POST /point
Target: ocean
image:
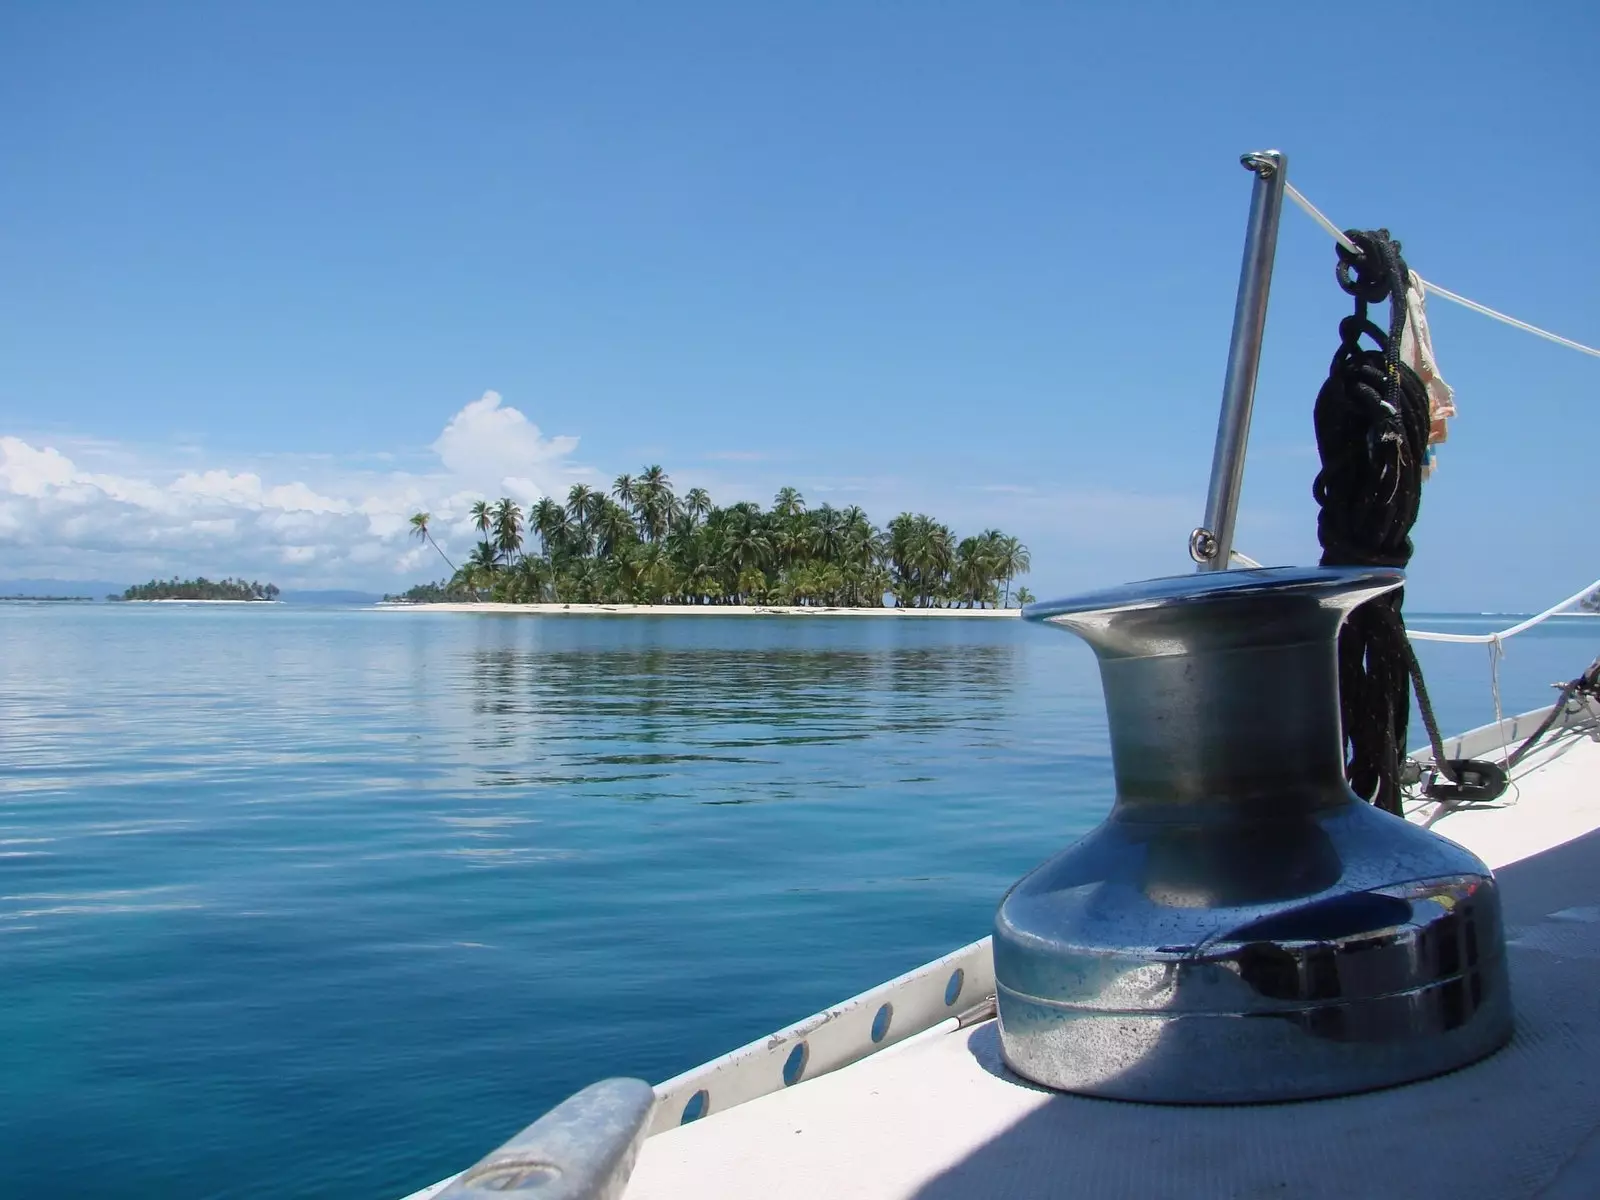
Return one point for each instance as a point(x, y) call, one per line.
point(330, 901)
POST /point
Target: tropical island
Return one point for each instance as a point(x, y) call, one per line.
point(643, 544)
point(200, 589)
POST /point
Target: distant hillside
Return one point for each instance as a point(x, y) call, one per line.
point(94, 589)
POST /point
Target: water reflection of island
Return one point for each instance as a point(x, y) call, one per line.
point(614, 715)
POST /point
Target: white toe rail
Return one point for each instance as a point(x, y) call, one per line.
point(938, 995)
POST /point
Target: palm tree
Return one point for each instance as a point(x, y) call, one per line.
point(478, 572)
point(697, 503)
point(614, 529)
point(1024, 596)
point(973, 570)
point(530, 582)
point(482, 517)
point(788, 503)
point(506, 520)
point(652, 495)
point(1013, 559)
point(420, 531)
point(549, 520)
point(746, 545)
point(584, 505)
point(622, 489)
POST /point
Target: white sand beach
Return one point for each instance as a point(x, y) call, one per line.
point(696, 610)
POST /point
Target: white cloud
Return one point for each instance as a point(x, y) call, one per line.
point(139, 516)
point(30, 472)
point(487, 440)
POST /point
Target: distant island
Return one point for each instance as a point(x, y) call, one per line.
point(643, 544)
point(199, 589)
point(51, 599)
point(432, 593)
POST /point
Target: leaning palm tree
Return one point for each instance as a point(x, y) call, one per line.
point(420, 531)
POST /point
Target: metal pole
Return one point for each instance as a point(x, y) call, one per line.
point(1212, 544)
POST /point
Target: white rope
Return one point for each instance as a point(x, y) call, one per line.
point(1512, 321)
point(1312, 211)
point(1315, 213)
point(1489, 639)
point(1497, 651)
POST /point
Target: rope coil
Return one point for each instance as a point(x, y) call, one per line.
point(1371, 423)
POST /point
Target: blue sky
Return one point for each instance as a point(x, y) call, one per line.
point(262, 263)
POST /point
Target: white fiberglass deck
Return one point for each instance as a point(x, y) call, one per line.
point(940, 1117)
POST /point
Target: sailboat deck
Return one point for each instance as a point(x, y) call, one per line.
point(940, 1116)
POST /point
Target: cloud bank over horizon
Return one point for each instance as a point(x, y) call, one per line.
point(76, 510)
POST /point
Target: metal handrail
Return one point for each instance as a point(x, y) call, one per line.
point(582, 1149)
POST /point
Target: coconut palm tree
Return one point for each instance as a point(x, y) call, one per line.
point(482, 517)
point(614, 530)
point(506, 522)
point(746, 545)
point(788, 503)
point(971, 574)
point(696, 503)
point(530, 581)
point(584, 505)
point(1012, 557)
point(477, 574)
point(549, 520)
point(1024, 596)
point(420, 531)
point(622, 490)
point(656, 505)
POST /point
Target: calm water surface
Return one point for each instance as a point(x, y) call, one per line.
point(329, 902)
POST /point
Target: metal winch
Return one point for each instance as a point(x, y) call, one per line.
point(1242, 927)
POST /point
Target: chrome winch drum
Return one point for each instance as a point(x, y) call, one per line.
point(1242, 927)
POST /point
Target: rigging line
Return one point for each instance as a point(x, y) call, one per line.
point(1480, 639)
point(1316, 214)
point(1430, 286)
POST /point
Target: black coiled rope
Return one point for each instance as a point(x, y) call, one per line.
point(1372, 424)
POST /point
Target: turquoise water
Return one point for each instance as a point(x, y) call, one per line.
point(329, 902)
